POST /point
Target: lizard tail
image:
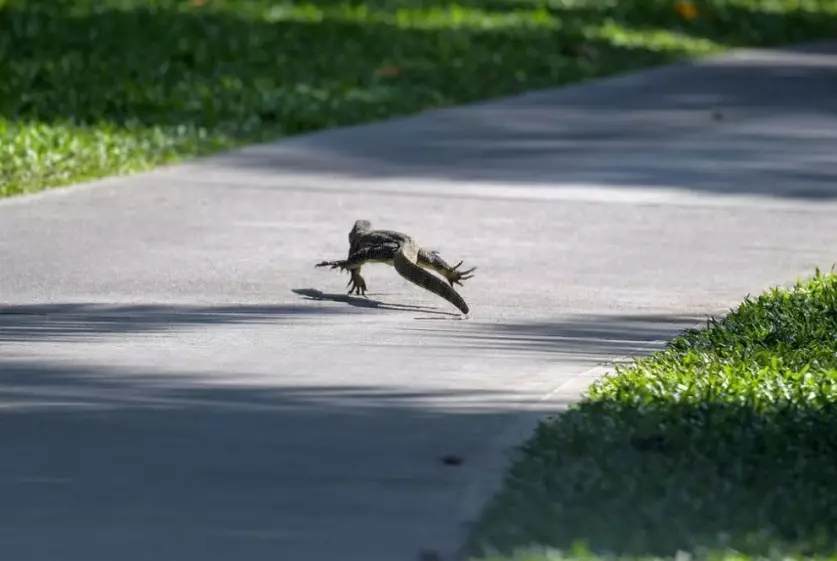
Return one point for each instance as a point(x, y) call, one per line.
point(405, 263)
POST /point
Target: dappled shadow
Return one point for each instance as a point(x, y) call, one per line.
point(104, 462)
point(27, 384)
point(728, 23)
point(651, 479)
point(235, 71)
point(743, 127)
point(68, 321)
point(588, 338)
point(735, 24)
point(582, 338)
point(243, 77)
point(585, 338)
point(207, 460)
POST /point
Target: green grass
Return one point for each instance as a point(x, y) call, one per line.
point(723, 445)
point(90, 88)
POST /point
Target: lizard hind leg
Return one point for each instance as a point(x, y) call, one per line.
point(406, 264)
point(455, 276)
point(432, 259)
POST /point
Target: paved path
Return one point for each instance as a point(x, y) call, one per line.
point(178, 382)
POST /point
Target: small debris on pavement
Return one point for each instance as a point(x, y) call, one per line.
point(429, 555)
point(452, 460)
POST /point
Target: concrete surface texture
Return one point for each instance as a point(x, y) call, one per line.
point(179, 382)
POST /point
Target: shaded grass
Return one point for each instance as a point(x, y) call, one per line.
point(723, 445)
point(95, 88)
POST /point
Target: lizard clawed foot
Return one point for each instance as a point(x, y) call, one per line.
point(456, 277)
point(333, 264)
point(357, 284)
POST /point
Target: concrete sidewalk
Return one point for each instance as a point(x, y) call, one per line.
point(179, 382)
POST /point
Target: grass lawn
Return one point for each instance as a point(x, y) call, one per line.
point(90, 88)
point(722, 446)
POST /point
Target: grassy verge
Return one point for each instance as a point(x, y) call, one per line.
point(723, 445)
point(90, 88)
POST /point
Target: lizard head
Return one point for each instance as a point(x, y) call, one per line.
point(360, 227)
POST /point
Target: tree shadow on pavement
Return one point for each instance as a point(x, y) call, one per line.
point(105, 462)
point(98, 456)
point(586, 337)
point(710, 129)
point(71, 321)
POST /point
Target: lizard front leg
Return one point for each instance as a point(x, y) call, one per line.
point(357, 284)
point(354, 262)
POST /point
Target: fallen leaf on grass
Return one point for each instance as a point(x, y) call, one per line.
point(388, 71)
point(686, 10)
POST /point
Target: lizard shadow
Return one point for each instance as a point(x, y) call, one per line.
point(365, 302)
